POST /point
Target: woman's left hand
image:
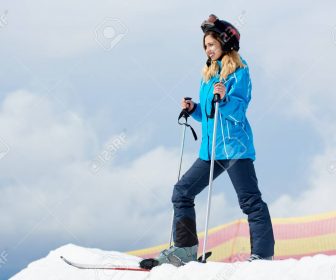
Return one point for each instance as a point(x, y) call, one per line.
point(220, 89)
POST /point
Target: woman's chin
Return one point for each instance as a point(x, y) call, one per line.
point(214, 58)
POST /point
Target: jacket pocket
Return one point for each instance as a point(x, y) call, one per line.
point(236, 127)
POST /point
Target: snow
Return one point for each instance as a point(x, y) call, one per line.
point(53, 268)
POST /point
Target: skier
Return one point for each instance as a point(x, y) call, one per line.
point(226, 74)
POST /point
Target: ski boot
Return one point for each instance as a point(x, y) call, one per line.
point(176, 256)
point(255, 257)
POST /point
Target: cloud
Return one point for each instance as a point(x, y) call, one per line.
point(49, 187)
point(319, 195)
point(320, 190)
point(62, 29)
point(310, 100)
point(37, 131)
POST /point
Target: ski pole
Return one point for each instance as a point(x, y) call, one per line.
point(216, 99)
point(184, 113)
point(178, 178)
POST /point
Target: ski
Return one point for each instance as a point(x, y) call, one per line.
point(97, 266)
point(145, 265)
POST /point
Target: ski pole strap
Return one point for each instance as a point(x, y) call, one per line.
point(184, 114)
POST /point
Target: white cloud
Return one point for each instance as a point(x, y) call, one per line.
point(311, 100)
point(50, 184)
point(320, 193)
point(63, 29)
point(39, 133)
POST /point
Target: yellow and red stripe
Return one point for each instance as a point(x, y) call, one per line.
point(295, 237)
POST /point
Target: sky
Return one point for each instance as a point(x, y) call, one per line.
point(89, 99)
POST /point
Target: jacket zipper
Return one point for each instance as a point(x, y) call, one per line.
point(206, 113)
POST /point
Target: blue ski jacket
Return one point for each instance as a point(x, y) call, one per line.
point(234, 138)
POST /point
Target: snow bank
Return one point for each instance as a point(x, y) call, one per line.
point(53, 268)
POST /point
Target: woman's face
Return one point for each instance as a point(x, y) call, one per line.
point(213, 48)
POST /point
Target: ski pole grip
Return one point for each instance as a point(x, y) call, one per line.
point(184, 114)
point(217, 96)
point(186, 110)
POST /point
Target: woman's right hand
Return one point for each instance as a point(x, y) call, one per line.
point(187, 104)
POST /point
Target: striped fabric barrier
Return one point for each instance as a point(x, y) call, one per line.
point(294, 238)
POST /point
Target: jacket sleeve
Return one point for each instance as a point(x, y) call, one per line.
point(238, 95)
point(196, 112)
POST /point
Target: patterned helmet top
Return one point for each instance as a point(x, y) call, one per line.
point(228, 34)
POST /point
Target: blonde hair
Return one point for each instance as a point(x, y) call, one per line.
point(230, 62)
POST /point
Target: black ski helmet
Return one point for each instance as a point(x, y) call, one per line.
point(229, 35)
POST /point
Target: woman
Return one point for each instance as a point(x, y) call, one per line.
point(226, 74)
